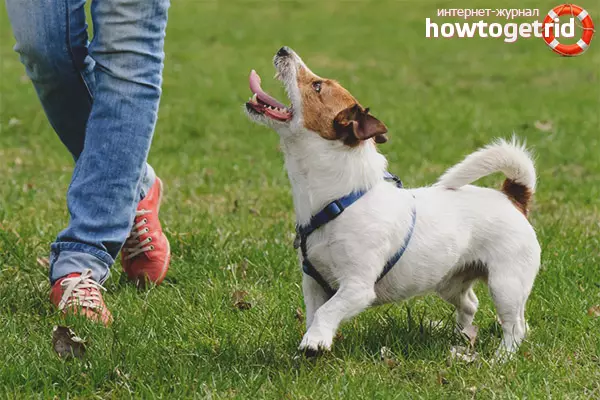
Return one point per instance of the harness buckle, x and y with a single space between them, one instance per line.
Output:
334 209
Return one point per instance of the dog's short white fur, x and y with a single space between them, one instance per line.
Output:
462 232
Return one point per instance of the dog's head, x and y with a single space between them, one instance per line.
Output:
318 106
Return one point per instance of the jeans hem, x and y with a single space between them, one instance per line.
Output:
89 258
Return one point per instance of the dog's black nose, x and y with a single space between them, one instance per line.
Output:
284 51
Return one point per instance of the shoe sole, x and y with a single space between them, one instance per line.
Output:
165 267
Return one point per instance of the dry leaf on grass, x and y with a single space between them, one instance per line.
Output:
594 311
239 300
388 357
66 343
544 126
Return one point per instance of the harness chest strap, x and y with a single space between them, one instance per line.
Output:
331 212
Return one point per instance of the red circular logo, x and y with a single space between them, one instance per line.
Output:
568 50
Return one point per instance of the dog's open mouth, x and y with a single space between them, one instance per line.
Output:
262 103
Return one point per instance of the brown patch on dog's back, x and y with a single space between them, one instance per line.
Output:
518 193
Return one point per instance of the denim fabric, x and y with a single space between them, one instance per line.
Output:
102 99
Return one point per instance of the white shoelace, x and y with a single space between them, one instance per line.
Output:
133 245
75 293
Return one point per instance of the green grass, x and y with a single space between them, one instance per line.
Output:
229 216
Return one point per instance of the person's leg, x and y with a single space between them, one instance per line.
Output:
128 50
51 38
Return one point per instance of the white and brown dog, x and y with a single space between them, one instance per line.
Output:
461 233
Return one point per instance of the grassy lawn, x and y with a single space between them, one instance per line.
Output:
229 216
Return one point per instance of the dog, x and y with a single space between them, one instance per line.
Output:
449 235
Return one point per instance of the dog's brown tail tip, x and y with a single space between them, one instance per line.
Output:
518 193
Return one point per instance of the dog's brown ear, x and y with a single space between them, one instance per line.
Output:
355 124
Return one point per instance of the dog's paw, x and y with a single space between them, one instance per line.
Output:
313 345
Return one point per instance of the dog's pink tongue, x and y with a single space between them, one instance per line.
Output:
264 97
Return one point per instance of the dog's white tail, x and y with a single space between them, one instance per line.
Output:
511 158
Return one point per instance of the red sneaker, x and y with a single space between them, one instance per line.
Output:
146 253
80 294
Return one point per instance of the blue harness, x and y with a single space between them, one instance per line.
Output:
331 212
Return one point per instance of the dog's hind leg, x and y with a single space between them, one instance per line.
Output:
350 299
314 297
466 306
510 305
457 290
461 295
510 287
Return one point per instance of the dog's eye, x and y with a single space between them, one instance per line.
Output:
317 86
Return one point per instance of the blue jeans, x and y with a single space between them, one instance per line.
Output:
102 99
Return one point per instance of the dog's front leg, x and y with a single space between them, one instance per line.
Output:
350 299
314 297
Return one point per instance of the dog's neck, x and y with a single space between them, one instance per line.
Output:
321 171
